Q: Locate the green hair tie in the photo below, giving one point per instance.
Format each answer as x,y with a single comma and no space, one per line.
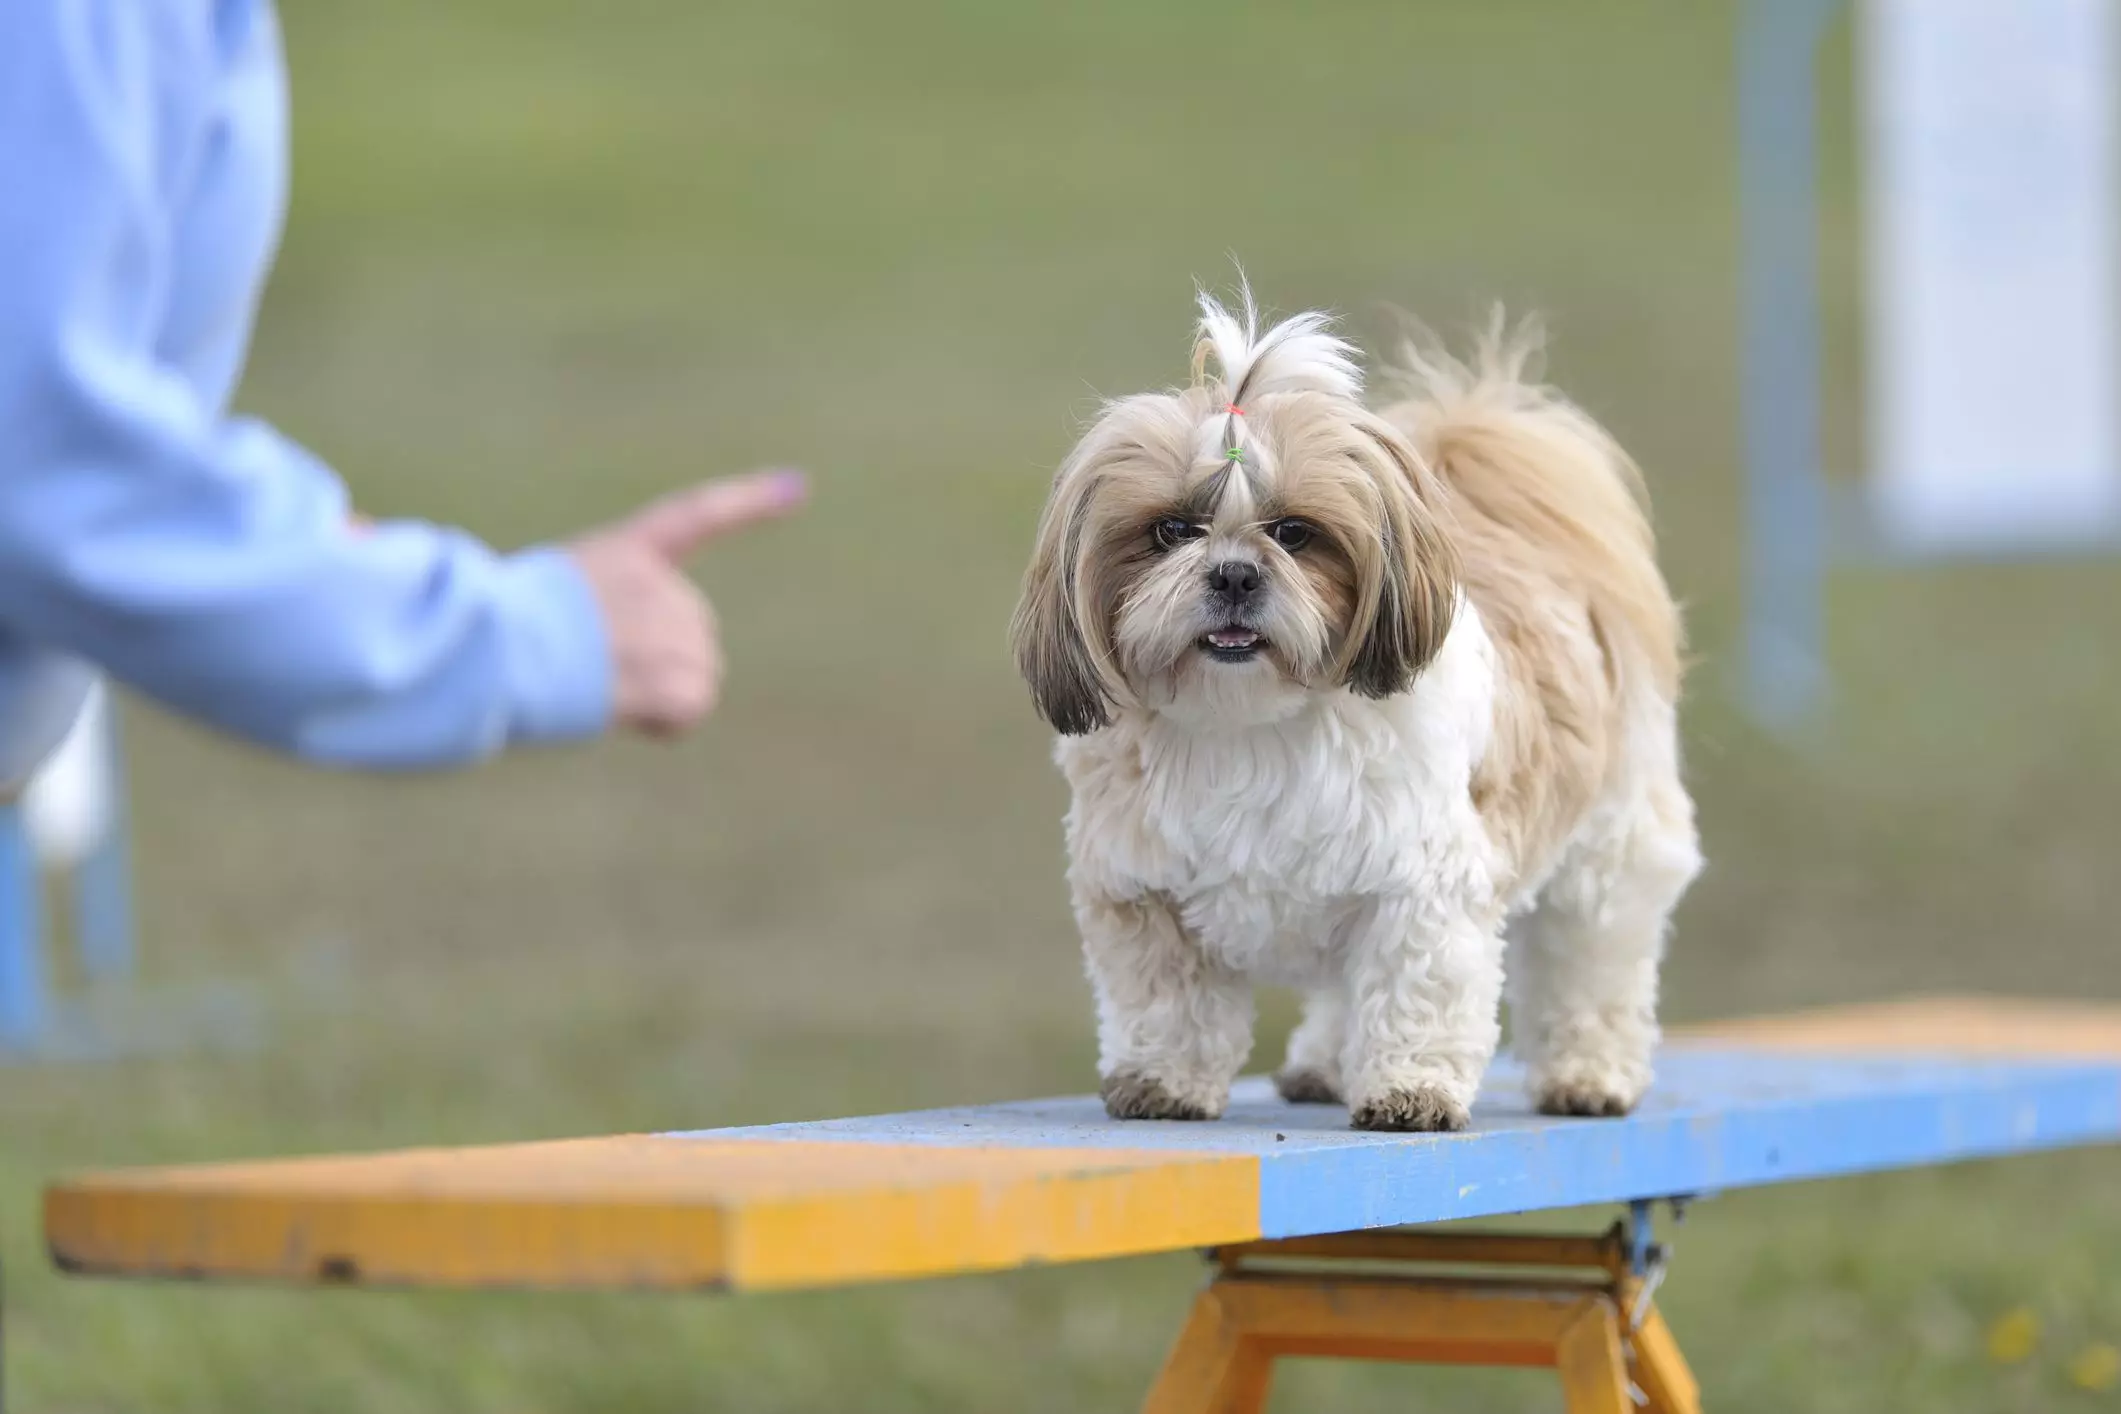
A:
1236,454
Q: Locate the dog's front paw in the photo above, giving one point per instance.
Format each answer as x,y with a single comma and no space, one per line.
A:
1128,1094
1416,1109
1306,1085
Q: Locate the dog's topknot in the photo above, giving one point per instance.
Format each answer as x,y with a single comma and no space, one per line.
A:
1300,354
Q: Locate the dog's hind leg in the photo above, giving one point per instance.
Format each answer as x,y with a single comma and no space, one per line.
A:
1584,962
1311,1074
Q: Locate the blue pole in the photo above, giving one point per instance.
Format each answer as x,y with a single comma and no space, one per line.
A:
1785,503
103,910
22,998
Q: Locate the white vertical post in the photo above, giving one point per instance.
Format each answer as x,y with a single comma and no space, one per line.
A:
1994,364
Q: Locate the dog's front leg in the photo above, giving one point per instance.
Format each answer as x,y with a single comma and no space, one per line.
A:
1424,989
1173,1025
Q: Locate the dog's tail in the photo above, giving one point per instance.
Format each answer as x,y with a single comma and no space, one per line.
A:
1533,475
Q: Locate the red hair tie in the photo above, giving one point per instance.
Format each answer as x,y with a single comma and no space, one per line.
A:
1234,410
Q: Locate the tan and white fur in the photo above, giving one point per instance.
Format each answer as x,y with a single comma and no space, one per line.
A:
1386,696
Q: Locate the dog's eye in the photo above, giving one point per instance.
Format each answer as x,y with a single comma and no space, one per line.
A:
1170,532
1291,535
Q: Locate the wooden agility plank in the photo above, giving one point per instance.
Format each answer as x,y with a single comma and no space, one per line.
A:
1947,1025
987,1187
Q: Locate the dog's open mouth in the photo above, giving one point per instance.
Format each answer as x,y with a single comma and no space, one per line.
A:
1231,645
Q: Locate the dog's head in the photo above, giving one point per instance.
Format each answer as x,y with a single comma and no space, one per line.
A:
1220,551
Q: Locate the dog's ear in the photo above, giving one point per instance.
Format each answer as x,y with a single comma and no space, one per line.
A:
1410,590
1052,650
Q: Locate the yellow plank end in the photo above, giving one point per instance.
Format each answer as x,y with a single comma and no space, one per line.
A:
649,1212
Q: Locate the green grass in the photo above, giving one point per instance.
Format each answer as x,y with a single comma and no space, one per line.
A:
547,259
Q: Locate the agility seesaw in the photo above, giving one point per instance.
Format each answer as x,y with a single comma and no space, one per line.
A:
1304,1219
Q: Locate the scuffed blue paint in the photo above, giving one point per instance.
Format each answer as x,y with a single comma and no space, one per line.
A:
1717,1120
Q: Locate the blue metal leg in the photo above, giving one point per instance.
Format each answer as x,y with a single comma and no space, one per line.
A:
103,907
1785,503
22,984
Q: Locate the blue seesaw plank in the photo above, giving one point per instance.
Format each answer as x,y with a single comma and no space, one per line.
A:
1718,1118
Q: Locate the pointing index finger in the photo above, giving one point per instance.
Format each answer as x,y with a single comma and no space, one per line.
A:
680,524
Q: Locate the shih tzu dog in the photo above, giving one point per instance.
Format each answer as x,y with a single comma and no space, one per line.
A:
1361,700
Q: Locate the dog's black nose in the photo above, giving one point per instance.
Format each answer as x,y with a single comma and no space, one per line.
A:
1234,581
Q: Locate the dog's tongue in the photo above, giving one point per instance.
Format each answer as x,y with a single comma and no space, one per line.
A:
1233,638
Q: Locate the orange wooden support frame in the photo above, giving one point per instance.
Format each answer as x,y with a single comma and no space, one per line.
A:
1575,1304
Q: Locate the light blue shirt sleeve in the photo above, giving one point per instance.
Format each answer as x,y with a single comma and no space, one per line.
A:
207,561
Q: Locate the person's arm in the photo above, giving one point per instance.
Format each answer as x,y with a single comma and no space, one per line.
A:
210,563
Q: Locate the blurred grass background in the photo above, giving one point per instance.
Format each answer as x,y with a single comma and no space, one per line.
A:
546,260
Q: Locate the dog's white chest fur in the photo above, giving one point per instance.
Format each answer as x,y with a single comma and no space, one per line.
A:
1269,838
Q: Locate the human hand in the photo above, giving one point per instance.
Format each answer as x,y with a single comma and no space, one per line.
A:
665,646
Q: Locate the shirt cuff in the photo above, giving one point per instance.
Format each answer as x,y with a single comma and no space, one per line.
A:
559,651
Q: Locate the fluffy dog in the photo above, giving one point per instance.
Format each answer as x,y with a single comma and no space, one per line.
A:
1358,700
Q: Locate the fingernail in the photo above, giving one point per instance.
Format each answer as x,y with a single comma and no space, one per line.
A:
790,485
